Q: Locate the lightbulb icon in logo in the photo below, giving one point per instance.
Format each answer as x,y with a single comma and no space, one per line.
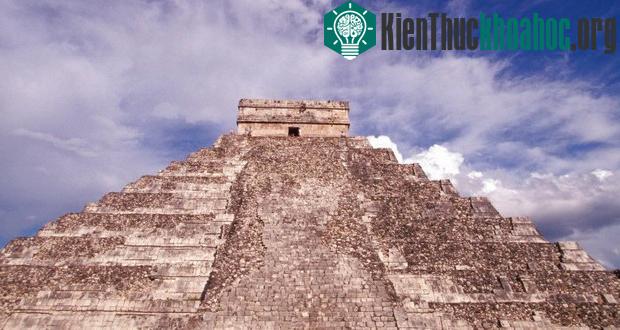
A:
349,30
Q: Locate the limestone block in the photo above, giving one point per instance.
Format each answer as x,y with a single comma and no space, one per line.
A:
446,187
417,171
415,286
528,284
183,268
393,260
569,245
609,298
482,206
523,227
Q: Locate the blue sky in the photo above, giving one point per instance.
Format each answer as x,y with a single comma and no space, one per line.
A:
96,94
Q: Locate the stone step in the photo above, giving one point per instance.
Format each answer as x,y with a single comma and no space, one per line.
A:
150,255
211,165
39,249
481,206
576,259
446,187
89,301
29,279
102,225
523,230
181,232
158,183
91,320
164,203
192,168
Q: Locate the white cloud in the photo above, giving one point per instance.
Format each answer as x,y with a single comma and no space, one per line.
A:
601,174
474,175
490,185
78,146
438,162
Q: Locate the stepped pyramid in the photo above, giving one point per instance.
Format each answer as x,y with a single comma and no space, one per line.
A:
291,223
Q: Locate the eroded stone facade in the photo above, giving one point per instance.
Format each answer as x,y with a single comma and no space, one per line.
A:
286,117
305,232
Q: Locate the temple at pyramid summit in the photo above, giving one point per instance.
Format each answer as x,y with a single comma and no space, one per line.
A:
292,223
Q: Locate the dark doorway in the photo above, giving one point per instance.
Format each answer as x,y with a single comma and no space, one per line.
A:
293,131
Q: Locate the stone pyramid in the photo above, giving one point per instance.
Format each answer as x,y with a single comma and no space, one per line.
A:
312,230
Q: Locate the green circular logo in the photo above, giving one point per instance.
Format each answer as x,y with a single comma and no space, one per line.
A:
349,30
